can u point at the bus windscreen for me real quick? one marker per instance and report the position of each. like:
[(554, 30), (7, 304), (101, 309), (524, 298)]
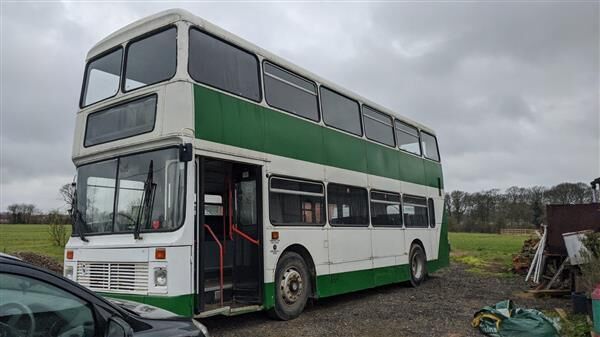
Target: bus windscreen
[(110, 193)]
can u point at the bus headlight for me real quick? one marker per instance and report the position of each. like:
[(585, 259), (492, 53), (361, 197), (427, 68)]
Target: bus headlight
[(160, 276), (68, 272)]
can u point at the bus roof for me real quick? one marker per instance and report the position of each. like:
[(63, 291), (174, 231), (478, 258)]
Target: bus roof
[(171, 16)]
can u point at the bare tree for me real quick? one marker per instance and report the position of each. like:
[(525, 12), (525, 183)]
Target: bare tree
[(14, 211), (458, 205), (57, 229), (22, 213), (569, 193), (67, 192)]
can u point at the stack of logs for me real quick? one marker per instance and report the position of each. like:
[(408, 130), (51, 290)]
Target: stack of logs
[(522, 261)]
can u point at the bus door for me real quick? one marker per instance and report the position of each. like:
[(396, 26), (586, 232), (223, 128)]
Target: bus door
[(230, 257), (246, 235)]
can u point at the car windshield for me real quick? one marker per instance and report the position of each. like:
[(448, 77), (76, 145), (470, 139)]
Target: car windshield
[(112, 193)]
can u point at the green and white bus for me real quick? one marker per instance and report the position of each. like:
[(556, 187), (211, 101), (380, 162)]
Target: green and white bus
[(214, 177)]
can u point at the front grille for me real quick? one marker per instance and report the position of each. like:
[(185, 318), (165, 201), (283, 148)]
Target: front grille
[(113, 277)]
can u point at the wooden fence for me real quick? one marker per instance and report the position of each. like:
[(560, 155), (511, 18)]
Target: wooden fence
[(517, 231)]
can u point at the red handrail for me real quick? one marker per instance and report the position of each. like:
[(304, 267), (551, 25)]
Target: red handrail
[(245, 236), (210, 231), (230, 207), (224, 224)]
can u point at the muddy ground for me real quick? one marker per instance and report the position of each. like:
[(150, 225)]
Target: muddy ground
[(442, 306), (41, 261)]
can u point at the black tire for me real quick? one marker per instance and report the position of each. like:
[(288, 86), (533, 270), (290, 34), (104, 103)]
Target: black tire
[(292, 287), (417, 262)]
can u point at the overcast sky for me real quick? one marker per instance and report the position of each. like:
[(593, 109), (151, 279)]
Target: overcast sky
[(512, 88)]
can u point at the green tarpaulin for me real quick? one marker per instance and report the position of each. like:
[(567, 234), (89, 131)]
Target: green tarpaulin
[(504, 319)]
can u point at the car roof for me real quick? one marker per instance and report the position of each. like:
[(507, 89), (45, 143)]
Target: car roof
[(8, 256)]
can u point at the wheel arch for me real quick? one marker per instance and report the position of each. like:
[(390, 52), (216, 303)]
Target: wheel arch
[(305, 254), (418, 242)]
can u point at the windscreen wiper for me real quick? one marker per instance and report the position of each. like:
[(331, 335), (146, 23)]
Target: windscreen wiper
[(77, 219), (147, 202)]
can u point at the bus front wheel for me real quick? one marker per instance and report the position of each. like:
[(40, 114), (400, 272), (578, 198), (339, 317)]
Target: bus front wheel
[(292, 287), (417, 264)]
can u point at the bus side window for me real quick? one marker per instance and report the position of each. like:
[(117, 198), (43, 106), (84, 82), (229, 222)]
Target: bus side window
[(296, 202), (347, 205), (385, 209), (340, 111), (431, 206), (430, 148), (219, 64), (407, 137), (378, 126), (415, 211), (290, 92)]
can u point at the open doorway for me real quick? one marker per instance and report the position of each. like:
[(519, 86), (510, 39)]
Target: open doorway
[(230, 227)]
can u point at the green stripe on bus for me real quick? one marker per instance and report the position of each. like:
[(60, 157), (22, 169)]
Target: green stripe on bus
[(182, 305), (225, 119), (443, 259), (341, 283)]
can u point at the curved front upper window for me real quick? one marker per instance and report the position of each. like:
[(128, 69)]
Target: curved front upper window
[(148, 60), (102, 77), (151, 59)]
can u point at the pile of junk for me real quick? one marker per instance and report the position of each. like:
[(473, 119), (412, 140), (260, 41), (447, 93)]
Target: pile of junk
[(563, 259), (564, 246)]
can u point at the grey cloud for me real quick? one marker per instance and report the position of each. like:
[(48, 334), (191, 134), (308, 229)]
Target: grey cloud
[(511, 88)]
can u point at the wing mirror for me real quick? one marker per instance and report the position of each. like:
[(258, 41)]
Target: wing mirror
[(118, 328), (185, 152)]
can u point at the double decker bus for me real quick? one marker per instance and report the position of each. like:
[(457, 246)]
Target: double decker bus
[(214, 177)]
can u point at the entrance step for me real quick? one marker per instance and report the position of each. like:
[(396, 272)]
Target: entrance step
[(229, 311), (213, 312)]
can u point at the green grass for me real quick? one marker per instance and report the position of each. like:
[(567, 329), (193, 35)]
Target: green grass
[(29, 238), (575, 325), (486, 253)]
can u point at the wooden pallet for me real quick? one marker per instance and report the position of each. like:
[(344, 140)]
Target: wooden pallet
[(549, 292)]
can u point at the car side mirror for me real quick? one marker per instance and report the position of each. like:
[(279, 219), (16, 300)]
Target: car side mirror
[(118, 328)]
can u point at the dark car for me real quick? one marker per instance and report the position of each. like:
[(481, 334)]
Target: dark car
[(37, 303)]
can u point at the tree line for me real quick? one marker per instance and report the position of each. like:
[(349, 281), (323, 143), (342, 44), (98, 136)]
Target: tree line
[(24, 213), (30, 214), (516, 207)]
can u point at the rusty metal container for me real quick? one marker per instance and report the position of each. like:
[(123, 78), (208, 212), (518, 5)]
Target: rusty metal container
[(569, 218)]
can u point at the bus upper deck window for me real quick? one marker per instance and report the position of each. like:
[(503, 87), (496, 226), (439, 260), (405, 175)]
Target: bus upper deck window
[(151, 60), (102, 77)]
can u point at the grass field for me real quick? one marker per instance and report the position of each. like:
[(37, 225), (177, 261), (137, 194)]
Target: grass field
[(486, 253), (29, 238)]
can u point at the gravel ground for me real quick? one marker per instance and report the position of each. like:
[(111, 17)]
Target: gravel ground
[(442, 306), (41, 261)]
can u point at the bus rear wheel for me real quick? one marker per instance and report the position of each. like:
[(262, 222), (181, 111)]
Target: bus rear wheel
[(292, 287), (417, 264)]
